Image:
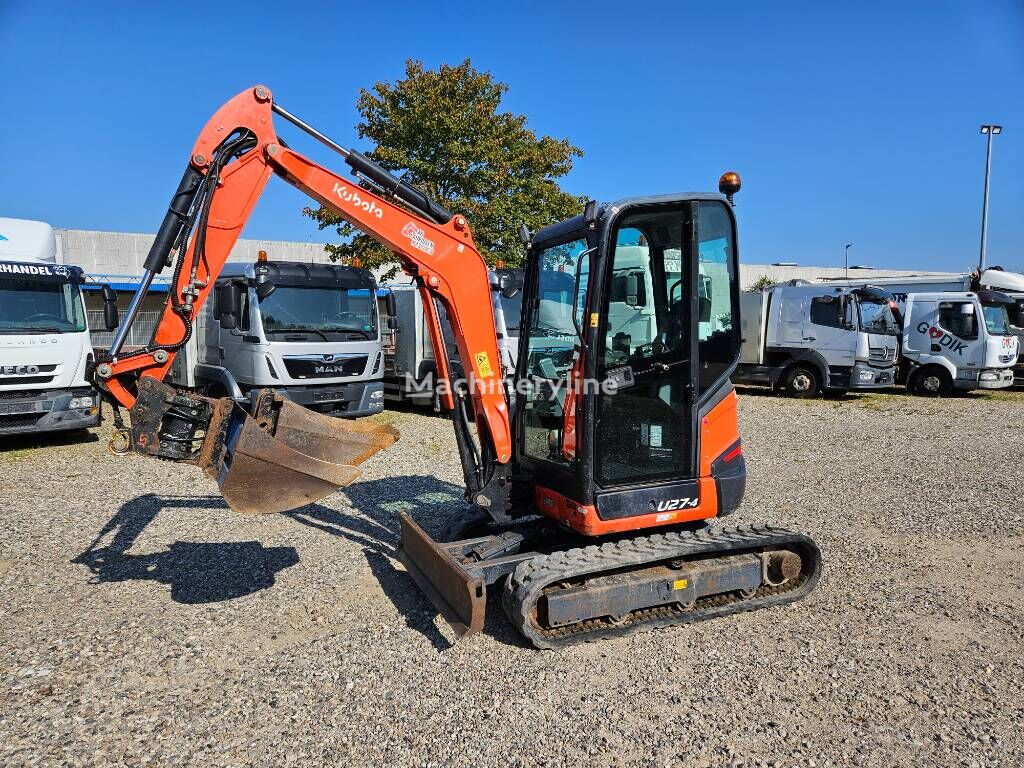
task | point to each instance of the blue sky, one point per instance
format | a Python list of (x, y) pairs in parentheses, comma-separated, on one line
[(849, 122)]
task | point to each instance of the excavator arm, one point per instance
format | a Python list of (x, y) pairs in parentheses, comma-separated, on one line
[(235, 155)]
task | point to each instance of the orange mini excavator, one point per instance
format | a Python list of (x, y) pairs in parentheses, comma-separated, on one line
[(594, 468)]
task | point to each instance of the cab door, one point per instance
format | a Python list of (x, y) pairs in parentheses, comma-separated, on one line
[(668, 338)]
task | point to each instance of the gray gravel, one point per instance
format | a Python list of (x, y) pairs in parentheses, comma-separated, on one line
[(141, 622)]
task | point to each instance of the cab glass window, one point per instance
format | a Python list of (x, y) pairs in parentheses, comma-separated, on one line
[(550, 346), (959, 318), (717, 294), (825, 311)]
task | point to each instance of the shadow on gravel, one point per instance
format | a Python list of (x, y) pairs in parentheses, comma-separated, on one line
[(196, 572), (432, 502), (29, 442)]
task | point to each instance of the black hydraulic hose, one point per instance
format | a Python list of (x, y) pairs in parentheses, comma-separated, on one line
[(179, 223), (407, 193)]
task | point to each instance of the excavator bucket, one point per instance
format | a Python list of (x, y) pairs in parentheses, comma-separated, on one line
[(284, 456)]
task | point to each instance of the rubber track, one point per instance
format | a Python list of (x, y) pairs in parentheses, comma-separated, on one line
[(524, 588)]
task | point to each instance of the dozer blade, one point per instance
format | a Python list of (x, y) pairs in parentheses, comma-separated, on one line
[(286, 456), (460, 597)]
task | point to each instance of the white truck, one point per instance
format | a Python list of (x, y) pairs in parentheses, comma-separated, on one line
[(310, 331), (995, 279), (957, 340), (44, 337), (410, 369), (804, 339)]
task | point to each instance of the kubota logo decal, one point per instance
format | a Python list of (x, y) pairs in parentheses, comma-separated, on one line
[(418, 238), (943, 339), (353, 197)]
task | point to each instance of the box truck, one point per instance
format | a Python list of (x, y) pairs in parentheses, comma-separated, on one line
[(44, 336), (957, 340), (804, 339)]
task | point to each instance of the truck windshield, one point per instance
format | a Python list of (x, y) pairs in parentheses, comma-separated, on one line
[(877, 317), (36, 306), (512, 308), (321, 309), (997, 320)]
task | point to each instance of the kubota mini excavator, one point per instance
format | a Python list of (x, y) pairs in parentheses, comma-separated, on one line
[(592, 495)]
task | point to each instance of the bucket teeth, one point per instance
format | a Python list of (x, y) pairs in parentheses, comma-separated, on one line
[(286, 456)]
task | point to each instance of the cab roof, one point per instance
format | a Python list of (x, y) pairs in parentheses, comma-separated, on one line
[(562, 229)]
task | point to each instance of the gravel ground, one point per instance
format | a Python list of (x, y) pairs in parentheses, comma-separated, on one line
[(141, 622)]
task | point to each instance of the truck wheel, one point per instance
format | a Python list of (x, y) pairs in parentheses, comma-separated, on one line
[(802, 381), (933, 382)]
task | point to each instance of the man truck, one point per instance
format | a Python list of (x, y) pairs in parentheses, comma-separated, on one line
[(310, 331), (804, 339), (44, 337)]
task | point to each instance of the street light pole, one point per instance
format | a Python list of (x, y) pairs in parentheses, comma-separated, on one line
[(990, 131), (846, 258)]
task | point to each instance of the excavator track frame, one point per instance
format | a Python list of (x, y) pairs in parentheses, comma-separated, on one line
[(526, 586)]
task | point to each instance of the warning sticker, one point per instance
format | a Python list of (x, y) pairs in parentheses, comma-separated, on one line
[(679, 584), (594, 317), (483, 365)]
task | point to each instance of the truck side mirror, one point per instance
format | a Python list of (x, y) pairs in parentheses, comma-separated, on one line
[(229, 303), (264, 289), (392, 323), (264, 285), (632, 290), (111, 317), (703, 309), (390, 305), (507, 286)]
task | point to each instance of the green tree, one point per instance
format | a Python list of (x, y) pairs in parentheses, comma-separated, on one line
[(444, 130), (762, 282)]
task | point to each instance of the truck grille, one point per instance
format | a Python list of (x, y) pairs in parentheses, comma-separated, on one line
[(316, 367), (881, 353), (19, 395), (18, 420), (26, 380)]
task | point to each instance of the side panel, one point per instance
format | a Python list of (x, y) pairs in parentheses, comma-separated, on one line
[(753, 313)]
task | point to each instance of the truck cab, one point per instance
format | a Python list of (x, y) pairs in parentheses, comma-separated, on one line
[(958, 341), (804, 338), (44, 336), (310, 331), (410, 370)]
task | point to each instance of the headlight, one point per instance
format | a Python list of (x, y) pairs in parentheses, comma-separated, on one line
[(866, 375), (81, 402), (377, 394), (989, 376)]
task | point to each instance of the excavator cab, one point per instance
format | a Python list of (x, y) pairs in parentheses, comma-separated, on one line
[(625, 421), (631, 319)]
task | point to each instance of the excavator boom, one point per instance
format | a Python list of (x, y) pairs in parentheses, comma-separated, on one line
[(308, 455)]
